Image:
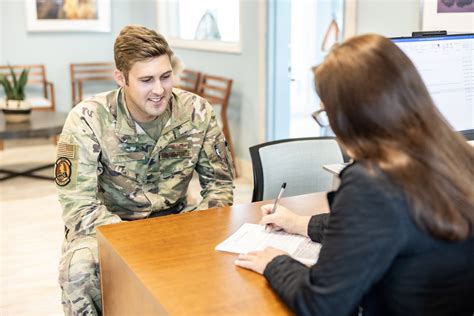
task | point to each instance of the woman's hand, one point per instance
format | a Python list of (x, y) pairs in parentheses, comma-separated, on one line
[(284, 219), (258, 260)]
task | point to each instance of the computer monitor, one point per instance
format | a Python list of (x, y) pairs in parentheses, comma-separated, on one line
[(446, 64)]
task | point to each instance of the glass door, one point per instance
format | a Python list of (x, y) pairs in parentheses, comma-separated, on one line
[(300, 33)]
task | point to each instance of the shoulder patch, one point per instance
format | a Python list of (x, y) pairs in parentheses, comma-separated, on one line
[(62, 171), (66, 150)]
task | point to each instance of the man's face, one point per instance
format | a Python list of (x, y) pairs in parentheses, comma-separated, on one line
[(149, 87)]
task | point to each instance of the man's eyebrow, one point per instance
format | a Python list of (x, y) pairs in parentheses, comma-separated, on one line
[(166, 73)]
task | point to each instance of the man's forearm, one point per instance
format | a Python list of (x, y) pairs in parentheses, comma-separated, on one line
[(84, 220), (217, 195)]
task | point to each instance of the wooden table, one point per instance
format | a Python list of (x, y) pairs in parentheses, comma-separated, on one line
[(41, 124), (168, 265)]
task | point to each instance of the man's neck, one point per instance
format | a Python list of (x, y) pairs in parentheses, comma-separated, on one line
[(134, 116)]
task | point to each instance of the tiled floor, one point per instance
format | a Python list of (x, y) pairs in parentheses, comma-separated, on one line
[(31, 232)]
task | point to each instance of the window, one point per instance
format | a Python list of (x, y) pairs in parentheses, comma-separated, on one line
[(206, 24)]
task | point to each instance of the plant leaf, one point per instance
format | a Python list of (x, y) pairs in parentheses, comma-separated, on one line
[(15, 82), (7, 87), (22, 83)]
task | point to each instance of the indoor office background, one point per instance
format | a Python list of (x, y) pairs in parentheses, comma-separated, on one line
[(263, 106), (56, 50)]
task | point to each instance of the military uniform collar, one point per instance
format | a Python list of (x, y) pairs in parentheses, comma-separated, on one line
[(178, 116), (126, 127)]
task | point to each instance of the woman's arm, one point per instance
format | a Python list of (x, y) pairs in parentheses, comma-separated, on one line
[(363, 237)]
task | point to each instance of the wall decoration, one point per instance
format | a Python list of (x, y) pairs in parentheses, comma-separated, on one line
[(68, 15), (454, 16)]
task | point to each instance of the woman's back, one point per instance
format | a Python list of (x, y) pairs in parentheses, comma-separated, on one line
[(427, 276), (436, 280), (375, 256)]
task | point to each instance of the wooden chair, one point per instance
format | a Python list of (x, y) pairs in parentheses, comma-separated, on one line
[(89, 72), (189, 80), (39, 91), (216, 90)]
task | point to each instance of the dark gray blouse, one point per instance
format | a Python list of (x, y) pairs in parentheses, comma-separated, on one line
[(375, 260)]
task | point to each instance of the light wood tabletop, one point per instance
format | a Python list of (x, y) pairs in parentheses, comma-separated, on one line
[(168, 265)]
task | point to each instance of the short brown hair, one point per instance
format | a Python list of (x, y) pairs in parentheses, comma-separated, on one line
[(138, 43), (380, 109)]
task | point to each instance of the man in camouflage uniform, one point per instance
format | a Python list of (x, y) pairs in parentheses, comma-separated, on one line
[(129, 154)]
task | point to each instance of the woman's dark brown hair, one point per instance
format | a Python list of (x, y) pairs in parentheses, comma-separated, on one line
[(381, 111)]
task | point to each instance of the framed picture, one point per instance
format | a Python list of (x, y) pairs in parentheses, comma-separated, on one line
[(68, 15), (454, 16)]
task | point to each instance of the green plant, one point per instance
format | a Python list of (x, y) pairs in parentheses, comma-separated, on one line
[(14, 89)]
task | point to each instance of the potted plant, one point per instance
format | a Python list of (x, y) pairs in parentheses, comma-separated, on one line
[(15, 108)]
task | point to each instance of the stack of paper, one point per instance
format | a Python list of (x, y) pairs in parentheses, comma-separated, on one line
[(252, 237)]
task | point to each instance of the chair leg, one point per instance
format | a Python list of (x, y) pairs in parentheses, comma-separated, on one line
[(225, 129), (1, 145)]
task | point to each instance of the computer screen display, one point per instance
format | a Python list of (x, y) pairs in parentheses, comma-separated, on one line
[(446, 64)]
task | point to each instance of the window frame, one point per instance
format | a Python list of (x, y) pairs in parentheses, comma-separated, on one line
[(165, 11)]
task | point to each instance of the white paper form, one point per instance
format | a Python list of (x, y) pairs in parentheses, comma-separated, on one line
[(252, 237)]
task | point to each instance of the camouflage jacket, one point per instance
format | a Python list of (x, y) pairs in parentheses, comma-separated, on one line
[(108, 169)]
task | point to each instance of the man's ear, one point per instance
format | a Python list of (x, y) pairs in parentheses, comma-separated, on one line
[(119, 78)]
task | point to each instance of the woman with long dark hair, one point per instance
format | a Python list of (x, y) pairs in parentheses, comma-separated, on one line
[(399, 239)]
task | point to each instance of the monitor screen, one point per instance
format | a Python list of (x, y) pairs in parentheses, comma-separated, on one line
[(446, 64)]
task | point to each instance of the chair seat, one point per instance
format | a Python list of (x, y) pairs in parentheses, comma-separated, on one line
[(36, 103), (39, 102), (39, 91)]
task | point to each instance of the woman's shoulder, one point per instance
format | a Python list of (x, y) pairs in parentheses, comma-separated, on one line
[(366, 181), (361, 172)]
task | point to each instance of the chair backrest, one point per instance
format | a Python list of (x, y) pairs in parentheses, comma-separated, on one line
[(39, 91), (298, 162), (468, 134), (215, 89), (189, 80), (83, 73)]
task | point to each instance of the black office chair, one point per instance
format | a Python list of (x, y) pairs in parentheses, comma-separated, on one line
[(298, 162)]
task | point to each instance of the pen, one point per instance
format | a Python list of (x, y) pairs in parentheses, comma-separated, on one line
[(275, 205)]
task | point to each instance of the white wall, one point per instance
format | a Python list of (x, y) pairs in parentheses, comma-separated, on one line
[(243, 68), (391, 18), (1, 33), (56, 50)]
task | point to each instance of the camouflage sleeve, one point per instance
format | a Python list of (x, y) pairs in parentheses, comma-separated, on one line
[(76, 175), (215, 169)]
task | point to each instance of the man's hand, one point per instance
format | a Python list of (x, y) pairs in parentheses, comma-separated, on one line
[(258, 260)]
